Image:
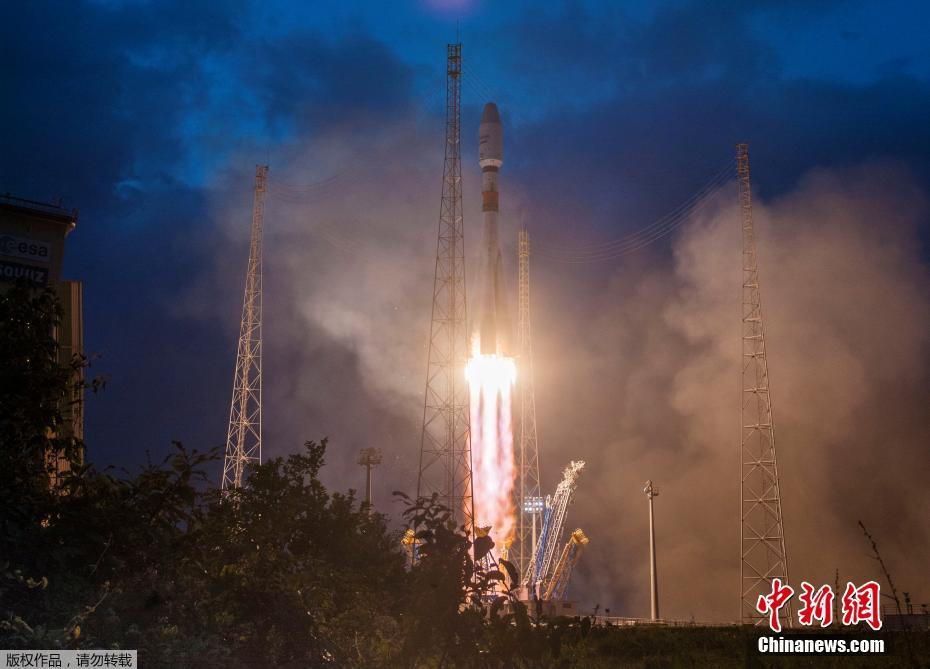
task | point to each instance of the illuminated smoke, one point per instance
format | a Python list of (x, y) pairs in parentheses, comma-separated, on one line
[(491, 379)]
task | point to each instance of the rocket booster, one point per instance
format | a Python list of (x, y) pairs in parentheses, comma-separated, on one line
[(494, 323)]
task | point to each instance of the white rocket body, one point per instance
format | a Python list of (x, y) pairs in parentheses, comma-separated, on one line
[(494, 320)]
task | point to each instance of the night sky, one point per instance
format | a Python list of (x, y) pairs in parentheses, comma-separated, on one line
[(149, 117)]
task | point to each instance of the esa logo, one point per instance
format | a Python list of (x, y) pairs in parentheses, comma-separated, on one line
[(24, 248)]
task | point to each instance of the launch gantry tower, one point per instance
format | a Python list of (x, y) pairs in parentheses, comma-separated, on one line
[(445, 452), (540, 572), (763, 555), (244, 437), (528, 491), (562, 574)]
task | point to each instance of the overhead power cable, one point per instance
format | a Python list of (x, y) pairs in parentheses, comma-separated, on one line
[(640, 238)]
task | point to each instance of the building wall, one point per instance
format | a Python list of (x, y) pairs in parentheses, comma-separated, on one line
[(70, 336), (32, 245), (32, 239)]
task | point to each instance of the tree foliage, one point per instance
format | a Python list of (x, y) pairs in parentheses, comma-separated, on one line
[(281, 572)]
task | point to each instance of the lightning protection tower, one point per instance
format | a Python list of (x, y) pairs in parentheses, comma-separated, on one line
[(445, 453), (763, 556), (244, 438), (528, 453)]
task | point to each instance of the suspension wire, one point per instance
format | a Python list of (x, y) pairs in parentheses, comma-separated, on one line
[(477, 86), (335, 236), (471, 85), (661, 226), (713, 182), (338, 236), (299, 194), (629, 243), (633, 244), (642, 238), (590, 253), (349, 246), (486, 92)]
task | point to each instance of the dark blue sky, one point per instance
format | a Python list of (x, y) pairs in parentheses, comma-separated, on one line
[(150, 116)]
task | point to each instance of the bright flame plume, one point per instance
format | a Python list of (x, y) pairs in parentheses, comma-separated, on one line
[(490, 380)]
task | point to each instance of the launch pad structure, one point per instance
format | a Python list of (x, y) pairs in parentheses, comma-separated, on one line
[(446, 467), (529, 498), (447, 448), (244, 435), (541, 578), (445, 455), (763, 555)]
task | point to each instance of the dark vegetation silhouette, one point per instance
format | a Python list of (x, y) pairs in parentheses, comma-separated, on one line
[(281, 572)]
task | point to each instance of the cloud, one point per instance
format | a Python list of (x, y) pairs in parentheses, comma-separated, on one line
[(847, 317), (346, 292), (636, 362), (151, 116)]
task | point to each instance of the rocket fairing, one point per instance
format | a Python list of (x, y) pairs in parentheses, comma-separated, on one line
[(494, 321)]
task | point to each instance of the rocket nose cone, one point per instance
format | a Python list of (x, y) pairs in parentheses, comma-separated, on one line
[(490, 114)]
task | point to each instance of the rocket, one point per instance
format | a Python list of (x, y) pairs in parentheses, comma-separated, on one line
[(494, 321)]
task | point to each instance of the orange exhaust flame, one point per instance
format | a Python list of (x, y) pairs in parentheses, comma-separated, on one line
[(491, 379)]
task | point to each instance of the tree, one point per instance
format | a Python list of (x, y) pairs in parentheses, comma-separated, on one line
[(278, 572), (34, 388)]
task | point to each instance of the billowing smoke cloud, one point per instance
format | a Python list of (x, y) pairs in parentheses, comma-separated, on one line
[(636, 372), (634, 360), (846, 313), (347, 283)]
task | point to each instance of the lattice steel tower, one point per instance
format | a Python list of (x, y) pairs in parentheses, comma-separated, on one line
[(762, 534), (244, 438), (445, 453), (527, 491)]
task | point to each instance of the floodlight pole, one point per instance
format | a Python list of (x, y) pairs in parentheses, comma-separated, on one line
[(368, 458), (651, 492)]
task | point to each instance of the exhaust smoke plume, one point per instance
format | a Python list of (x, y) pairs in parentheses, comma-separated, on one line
[(847, 315), (635, 363)]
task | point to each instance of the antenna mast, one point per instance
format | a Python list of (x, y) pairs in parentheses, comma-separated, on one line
[(763, 556), (244, 438), (445, 452), (528, 504)]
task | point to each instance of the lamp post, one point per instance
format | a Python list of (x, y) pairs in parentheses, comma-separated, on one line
[(651, 492), (368, 458)]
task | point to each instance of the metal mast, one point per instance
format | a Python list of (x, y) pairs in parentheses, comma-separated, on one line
[(553, 523), (445, 453), (368, 458), (562, 573), (244, 438), (763, 556), (652, 492), (528, 455)]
